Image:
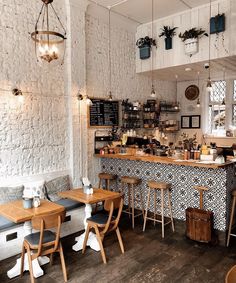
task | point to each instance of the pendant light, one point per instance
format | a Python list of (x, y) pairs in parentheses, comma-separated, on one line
[(223, 101), (153, 93), (176, 106), (109, 54), (198, 100), (209, 84), (49, 43)]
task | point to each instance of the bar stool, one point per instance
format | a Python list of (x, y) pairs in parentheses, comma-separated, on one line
[(107, 178), (163, 187), (131, 183), (233, 194)]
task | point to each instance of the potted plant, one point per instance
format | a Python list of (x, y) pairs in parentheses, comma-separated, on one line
[(190, 38), (144, 44), (168, 32), (217, 24)]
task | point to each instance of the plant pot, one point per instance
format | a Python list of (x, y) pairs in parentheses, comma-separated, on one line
[(217, 24), (144, 52), (191, 46), (168, 43)]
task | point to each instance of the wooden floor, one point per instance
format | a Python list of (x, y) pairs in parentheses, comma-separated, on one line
[(147, 258)]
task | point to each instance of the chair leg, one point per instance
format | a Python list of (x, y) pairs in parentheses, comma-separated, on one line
[(108, 185), (100, 244), (141, 199), (22, 260), (51, 259), (86, 238), (132, 195), (231, 220), (63, 265), (162, 213), (30, 265), (120, 240), (129, 192), (171, 214), (99, 184), (155, 207), (145, 217)]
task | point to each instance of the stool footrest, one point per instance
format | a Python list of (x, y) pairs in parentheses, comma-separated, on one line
[(135, 215), (157, 220), (234, 235)]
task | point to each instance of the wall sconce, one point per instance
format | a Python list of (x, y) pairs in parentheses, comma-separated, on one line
[(85, 98)]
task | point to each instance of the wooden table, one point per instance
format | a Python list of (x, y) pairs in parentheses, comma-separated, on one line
[(97, 196), (15, 212)]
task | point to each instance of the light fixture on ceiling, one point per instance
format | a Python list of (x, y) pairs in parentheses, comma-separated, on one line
[(49, 44), (109, 53), (209, 83), (153, 93), (198, 100)]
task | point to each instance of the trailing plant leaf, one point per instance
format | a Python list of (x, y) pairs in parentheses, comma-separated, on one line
[(145, 41), (168, 32), (192, 33)]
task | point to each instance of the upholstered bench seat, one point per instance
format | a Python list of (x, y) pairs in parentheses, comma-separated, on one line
[(69, 204), (5, 223)]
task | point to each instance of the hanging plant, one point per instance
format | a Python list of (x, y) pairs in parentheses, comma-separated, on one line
[(217, 23), (190, 38), (144, 44), (168, 33)]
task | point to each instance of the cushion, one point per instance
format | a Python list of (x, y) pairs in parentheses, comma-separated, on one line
[(99, 218), (33, 189), (33, 239), (69, 204), (5, 223), (53, 187), (10, 193)]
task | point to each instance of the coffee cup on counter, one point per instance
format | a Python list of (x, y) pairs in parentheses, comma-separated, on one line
[(27, 202)]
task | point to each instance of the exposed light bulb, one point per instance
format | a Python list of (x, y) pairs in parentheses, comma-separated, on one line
[(223, 102), (209, 85), (198, 103), (110, 96), (88, 100), (153, 93)]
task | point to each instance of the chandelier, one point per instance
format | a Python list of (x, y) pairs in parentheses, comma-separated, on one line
[(49, 43)]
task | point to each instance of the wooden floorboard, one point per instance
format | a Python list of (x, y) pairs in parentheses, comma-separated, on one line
[(147, 258)]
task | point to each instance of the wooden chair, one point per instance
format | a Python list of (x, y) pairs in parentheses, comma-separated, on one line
[(233, 193), (44, 242), (106, 223), (231, 275)]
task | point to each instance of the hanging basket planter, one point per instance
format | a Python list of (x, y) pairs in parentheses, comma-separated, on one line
[(217, 24), (191, 46), (144, 44), (144, 52), (168, 43)]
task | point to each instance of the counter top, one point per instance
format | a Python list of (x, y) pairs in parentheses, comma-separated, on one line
[(165, 160)]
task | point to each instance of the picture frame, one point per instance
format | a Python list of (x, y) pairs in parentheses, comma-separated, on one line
[(185, 122), (195, 122), (191, 122)]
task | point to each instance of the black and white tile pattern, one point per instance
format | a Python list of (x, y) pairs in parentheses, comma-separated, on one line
[(220, 182)]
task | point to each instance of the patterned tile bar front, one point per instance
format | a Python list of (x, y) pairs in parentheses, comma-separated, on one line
[(220, 182)]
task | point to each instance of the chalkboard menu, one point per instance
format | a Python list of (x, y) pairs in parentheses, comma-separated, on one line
[(104, 113)]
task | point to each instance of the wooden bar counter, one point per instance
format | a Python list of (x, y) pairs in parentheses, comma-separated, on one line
[(183, 176)]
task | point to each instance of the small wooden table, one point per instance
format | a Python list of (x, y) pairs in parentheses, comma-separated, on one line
[(15, 212), (97, 196)]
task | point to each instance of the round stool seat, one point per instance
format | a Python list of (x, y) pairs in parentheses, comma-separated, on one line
[(107, 176), (233, 193), (158, 185), (130, 180)]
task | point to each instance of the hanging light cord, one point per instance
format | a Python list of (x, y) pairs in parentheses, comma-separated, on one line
[(152, 45), (109, 51), (58, 18), (209, 47)]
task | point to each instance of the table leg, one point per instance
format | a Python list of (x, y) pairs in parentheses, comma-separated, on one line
[(37, 270), (92, 239)]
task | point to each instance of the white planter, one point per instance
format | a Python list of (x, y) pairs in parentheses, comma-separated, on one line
[(191, 46)]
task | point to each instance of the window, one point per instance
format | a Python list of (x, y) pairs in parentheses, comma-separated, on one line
[(216, 113), (221, 113)]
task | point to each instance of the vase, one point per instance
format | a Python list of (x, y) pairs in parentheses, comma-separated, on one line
[(168, 43), (191, 46), (144, 52)]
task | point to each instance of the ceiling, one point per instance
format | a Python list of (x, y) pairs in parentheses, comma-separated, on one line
[(140, 10)]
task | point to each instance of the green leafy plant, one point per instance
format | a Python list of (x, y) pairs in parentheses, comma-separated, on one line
[(192, 33), (167, 31), (145, 41)]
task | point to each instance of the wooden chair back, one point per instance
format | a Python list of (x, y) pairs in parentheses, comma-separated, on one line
[(44, 222), (231, 275), (110, 205)]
